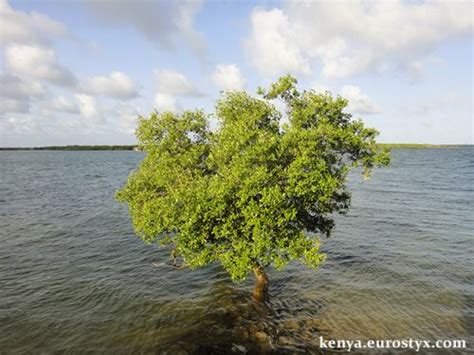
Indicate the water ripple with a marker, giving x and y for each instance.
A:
(75, 279)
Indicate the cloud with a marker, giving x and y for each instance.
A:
(33, 28)
(171, 82)
(228, 77)
(88, 107)
(14, 87)
(11, 105)
(358, 101)
(117, 85)
(187, 11)
(171, 85)
(27, 39)
(17, 94)
(352, 37)
(272, 46)
(61, 104)
(126, 115)
(39, 63)
(163, 23)
(18, 126)
(165, 102)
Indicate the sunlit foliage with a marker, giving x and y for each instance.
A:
(256, 191)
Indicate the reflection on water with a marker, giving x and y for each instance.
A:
(74, 278)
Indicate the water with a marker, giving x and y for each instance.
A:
(74, 278)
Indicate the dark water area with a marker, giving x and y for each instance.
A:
(74, 278)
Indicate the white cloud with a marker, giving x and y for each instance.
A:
(61, 104)
(18, 126)
(14, 87)
(187, 11)
(87, 106)
(171, 82)
(163, 23)
(117, 85)
(126, 118)
(350, 37)
(11, 105)
(37, 62)
(17, 94)
(272, 46)
(228, 77)
(165, 102)
(33, 28)
(358, 101)
(26, 39)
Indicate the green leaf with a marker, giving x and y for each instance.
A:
(253, 191)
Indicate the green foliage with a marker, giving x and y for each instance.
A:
(254, 192)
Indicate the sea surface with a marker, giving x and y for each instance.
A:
(75, 279)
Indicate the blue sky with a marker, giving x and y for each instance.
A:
(81, 72)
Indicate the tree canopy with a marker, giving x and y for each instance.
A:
(257, 190)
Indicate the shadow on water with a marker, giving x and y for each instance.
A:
(228, 320)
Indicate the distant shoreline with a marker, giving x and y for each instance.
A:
(76, 147)
(419, 145)
(135, 148)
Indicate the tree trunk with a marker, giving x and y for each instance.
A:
(260, 291)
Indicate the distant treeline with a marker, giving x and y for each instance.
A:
(415, 145)
(134, 147)
(77, 147)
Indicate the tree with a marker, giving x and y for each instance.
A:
(255, 191)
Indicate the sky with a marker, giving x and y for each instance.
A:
(82, 72)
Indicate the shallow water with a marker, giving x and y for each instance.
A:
(74, 278)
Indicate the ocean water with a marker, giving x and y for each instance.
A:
(74, 278)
